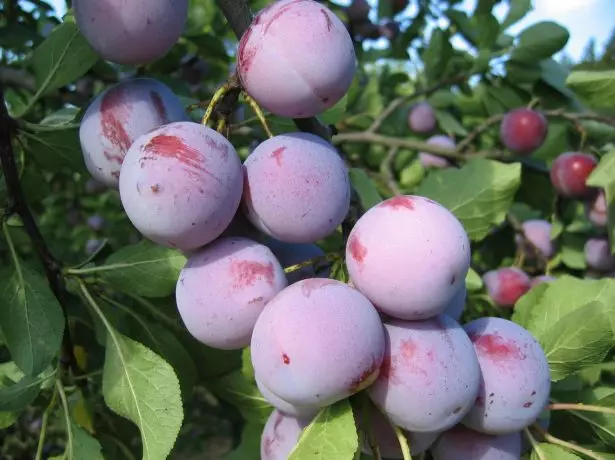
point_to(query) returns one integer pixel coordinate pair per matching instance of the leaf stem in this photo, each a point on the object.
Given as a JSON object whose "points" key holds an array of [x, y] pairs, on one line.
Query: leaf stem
{"points": [[581, 407], [535, 445], [217, 97], [44, 424], [316, 260], [69, 431], [259, 114], [568, 445], [403, 442], [155, 312]]}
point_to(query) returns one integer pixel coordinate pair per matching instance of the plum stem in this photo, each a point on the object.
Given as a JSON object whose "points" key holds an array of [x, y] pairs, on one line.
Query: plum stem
{"points": [[567, 445], [259, 114], [217, 97], [534, 443], [581, 407], [387, 169], [403, 442], [314, 261]]}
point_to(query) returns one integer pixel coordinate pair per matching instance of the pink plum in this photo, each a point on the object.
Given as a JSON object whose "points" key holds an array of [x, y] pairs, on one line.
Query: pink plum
{"points": [[421, 118], [506, 285], [461, 443], [280, 435]]}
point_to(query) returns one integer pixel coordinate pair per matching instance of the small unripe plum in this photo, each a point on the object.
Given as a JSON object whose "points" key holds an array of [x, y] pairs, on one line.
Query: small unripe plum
{"points": [[456, 306], [541, 279], [96, 223], [280, 435], [119, 115], [569, 173], [181, 185], [596, 210], [131, 33], [538, 234], [429, 160], [523, 130], [358, 10], [384, 249], [515, 373], [598, 255], [430, 375], [290, 254], [288, 83], [506, 285], [224, 287], [296, 188], [421, 118], [317, 342], [284, 406], [461, 443]]}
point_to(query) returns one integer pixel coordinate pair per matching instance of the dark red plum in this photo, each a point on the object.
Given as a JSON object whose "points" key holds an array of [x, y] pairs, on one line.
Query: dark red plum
{"points": [[224, 287], [430, 375], [506, 285], [399, 230], [461, 443], [523, 130], [317, 342], [569, 173], [280, 435], [516, 380]]}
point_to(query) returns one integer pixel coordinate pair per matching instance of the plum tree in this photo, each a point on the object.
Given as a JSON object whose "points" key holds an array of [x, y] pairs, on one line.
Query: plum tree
{"points": [[421, 118], [295, 253], [283, 406], [434, 361], [288, 83], [117, 116], [181, 184], [280, 435], [506, 285], [131, 33], [461, 443], [296, 188], [224, 287], [455, 307], [317, 342], [382, 432], [598, 255], [429, 160], [537, 233], [596, 209], [516, 380], [569, 173], [523, 130], [402, 229]]}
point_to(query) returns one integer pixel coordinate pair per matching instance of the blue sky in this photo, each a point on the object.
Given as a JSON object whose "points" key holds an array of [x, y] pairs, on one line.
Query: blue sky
{"points": [[585, 19]]}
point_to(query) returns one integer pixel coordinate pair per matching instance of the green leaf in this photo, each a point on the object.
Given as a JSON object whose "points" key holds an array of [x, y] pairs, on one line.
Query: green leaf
{"points": [[365, 187], [80, 446], [250, 445], [573, 250], [140, 386], [56, 150], [243, 393], [517, 11], [553, 452], [449, 124], [488, 29], [578, 340], [62, 58], [332, 434], [474, 282], [31, 318], [144, 269], [595, 87], [17, 396], [479, 194], [336, 113], [7, 419], [437, 55], [540, 41]]}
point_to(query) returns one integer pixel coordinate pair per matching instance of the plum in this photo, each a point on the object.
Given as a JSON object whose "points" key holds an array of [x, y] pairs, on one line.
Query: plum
{"points": [[537, 233], [224, 287], [280, 435], [430, 375], [455, 307], [506, 285], [596, 210], [598, 255], [461, 443], [289, 83], [181, 185], [358, 10], [284, 406], [290, 254], [117, 116], [131, 33], [421, 118], [409, 255], [515, 382], [541, 279], [96, 222], [296, 188], [317, 342], [429, 160], [569, 173], [523, 130]]}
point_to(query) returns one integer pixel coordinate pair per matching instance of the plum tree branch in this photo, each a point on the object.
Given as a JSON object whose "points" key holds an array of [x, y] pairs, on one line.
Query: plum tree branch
{"points": [[239, 17]]}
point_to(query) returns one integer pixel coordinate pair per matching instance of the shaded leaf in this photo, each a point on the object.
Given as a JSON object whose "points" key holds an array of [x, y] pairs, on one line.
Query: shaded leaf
{"points": [[595, 87], [540, 41], [365, 187]]}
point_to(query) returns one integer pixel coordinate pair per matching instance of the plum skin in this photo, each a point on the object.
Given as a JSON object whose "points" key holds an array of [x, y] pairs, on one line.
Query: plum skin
{"points": [[280, 435], [461, 443], [131, 33], [596, 210], [430, 376], [429, 160], [506, 285], [317, 342], [421, 118], [117, 116], [598, 255], [538, 233], [283, 406], [569, 173], [516, 380], [523, 130], [407, 228], [458, 303], [291, 84], [180, 185], [224, 287], [296, 188]]}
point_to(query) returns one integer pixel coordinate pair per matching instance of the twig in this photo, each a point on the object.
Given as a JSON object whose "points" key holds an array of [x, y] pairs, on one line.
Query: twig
{"points": [[387, 170], [315, 261], [69, 432], [581, 407], [480, 129], [568, 445], [18, 204], [534, 443], [44, 424]]}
